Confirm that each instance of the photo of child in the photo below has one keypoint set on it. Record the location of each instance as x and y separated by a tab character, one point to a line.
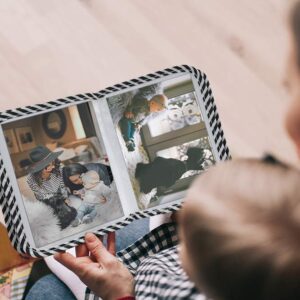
163	138
136	113
65	180
94	193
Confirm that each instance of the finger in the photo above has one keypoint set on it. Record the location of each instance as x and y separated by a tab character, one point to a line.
101	237
97	249
111	243
82	250
69	261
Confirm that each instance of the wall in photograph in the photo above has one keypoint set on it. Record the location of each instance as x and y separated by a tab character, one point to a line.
11	141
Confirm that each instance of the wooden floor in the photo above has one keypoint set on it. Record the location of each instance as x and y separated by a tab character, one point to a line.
51	49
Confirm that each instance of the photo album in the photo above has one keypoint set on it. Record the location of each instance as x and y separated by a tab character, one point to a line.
97	161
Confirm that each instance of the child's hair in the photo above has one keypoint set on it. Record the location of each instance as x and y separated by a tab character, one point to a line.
160	99
241	229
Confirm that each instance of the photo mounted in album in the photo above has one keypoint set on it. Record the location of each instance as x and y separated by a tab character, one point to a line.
96	162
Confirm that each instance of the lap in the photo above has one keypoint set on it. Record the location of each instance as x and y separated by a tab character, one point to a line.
50	287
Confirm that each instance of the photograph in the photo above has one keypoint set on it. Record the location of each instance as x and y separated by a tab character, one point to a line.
163	137
63	173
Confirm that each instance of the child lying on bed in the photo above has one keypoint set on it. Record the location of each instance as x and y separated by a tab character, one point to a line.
94	193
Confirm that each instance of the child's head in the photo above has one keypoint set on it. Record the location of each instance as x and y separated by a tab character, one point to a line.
90	179
158	103
240	229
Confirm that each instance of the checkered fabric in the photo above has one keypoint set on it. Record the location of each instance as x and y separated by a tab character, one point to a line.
18	287
154	262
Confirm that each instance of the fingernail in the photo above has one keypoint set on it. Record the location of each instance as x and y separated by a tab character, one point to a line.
90	237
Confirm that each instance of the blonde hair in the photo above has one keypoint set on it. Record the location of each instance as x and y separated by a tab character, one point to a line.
241	226
160	99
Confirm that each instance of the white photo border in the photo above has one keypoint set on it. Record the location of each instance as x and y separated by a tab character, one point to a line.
10	209
112	141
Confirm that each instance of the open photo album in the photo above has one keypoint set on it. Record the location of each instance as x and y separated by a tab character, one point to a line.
95	162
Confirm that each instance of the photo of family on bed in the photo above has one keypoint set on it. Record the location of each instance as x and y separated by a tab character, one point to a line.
163	138
64	176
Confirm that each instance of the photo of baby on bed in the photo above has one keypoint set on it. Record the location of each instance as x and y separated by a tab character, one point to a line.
163	139
65	179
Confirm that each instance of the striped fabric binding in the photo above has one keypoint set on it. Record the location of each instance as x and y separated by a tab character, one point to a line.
10	210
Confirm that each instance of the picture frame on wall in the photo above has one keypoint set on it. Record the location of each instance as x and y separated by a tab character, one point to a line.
11	141
25	137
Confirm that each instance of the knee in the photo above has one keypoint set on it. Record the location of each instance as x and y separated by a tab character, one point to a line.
49	286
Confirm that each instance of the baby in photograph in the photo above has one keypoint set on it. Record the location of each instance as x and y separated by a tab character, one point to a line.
94	193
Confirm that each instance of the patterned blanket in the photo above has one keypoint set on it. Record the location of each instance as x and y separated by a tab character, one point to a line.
13	282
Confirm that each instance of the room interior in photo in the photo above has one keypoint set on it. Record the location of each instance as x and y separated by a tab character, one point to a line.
70	129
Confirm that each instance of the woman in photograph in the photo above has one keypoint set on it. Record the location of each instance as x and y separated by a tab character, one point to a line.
164	172
72	175
46	181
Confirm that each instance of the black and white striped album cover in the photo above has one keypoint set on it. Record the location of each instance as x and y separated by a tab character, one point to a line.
95	162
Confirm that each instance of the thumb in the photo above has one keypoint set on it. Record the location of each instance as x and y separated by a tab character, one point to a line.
97	249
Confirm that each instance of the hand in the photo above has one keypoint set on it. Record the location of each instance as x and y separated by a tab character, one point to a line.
107	277
79	194
137	127
128	115
67	201
103	200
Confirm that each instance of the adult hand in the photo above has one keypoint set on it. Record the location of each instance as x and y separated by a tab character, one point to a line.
102	272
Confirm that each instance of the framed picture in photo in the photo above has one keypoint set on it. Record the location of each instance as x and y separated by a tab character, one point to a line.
25	138
163	136
11	141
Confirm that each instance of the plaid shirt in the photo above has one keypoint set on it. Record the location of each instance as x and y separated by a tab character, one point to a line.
49	187
154	262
